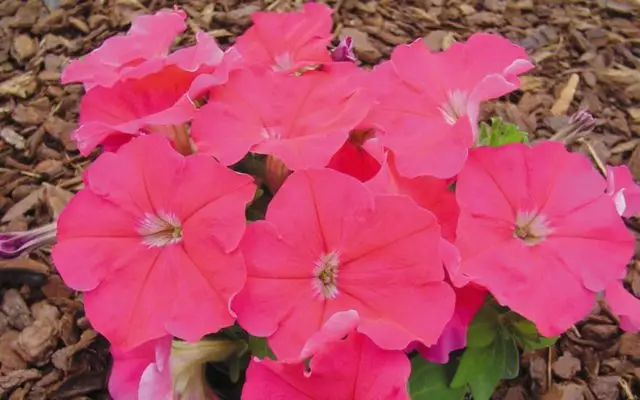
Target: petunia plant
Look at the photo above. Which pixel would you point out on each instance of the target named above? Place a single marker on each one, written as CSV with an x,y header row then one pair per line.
x,y
274,221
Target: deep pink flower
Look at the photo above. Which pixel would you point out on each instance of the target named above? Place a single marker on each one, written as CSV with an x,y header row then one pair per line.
x,y
344,369
329,245
156,103
161,243
625,305
143,372
428,103
301,120
287,41
538,231
624,190
469,299
430,193
360,156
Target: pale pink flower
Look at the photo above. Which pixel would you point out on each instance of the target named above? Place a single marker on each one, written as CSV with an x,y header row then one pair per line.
x,y
329,245
538,231
625,305
624,190
288,41
428,103
340,369
161,242
302,120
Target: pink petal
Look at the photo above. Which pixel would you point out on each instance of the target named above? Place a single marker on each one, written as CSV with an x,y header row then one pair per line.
x,y
624,304
149,38
302,120
624,186
354,160
375,374
287,41
132,107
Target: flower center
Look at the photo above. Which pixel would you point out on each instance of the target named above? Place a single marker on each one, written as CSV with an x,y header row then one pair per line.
x,y
160,230
282,62
455,107
325,275
531,227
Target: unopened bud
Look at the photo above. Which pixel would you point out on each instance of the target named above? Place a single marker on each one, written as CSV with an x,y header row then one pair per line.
x,y
580,124
14,244
343,52
276,173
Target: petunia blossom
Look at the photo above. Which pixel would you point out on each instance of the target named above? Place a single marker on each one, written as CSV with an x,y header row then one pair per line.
x,y
428,192
143,372
353,368
428,103
288,41
537,229
161,242
469,299
301,120
624,190
155,104
625,305
328,245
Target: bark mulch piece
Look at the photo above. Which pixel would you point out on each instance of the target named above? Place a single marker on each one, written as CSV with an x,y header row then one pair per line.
x,y
587,54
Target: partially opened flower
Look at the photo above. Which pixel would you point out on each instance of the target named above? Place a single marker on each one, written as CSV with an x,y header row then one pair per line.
x,y
155,104
287,41
428,192
162,242
428,103
469,299
625,305
149,38
343,52
301,120
329,245
143,372
345,369
538,231
624,190
360,156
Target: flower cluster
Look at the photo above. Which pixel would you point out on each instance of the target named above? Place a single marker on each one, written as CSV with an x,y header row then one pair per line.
x,y
348,216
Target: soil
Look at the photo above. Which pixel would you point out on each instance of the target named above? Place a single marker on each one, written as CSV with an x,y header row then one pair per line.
x,y
587,55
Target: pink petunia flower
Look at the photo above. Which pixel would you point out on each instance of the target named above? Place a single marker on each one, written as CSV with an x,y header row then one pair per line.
x,y
161,242
538,231
143,372
301,120
342,369
329,245
289,41
428,192
624,190
156,103
428,103
360,156
625,305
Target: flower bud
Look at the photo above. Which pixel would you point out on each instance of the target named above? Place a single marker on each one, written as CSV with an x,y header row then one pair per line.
x,y
13,244
276,173
344,51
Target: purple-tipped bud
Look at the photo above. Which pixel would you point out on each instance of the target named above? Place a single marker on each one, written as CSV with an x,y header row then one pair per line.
x,y
582,121
344,51
13,244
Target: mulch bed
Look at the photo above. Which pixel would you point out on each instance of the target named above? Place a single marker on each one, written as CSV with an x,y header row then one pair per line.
x,y
587,55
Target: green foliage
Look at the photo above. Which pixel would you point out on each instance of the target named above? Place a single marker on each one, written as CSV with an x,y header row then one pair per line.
x,y
491,355
260,348
430,381
500,133
526,333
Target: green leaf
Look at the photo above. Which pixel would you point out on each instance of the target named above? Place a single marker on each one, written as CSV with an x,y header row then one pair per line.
x,y
483,328
260,348
429,381
483,367
500,133
527,335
